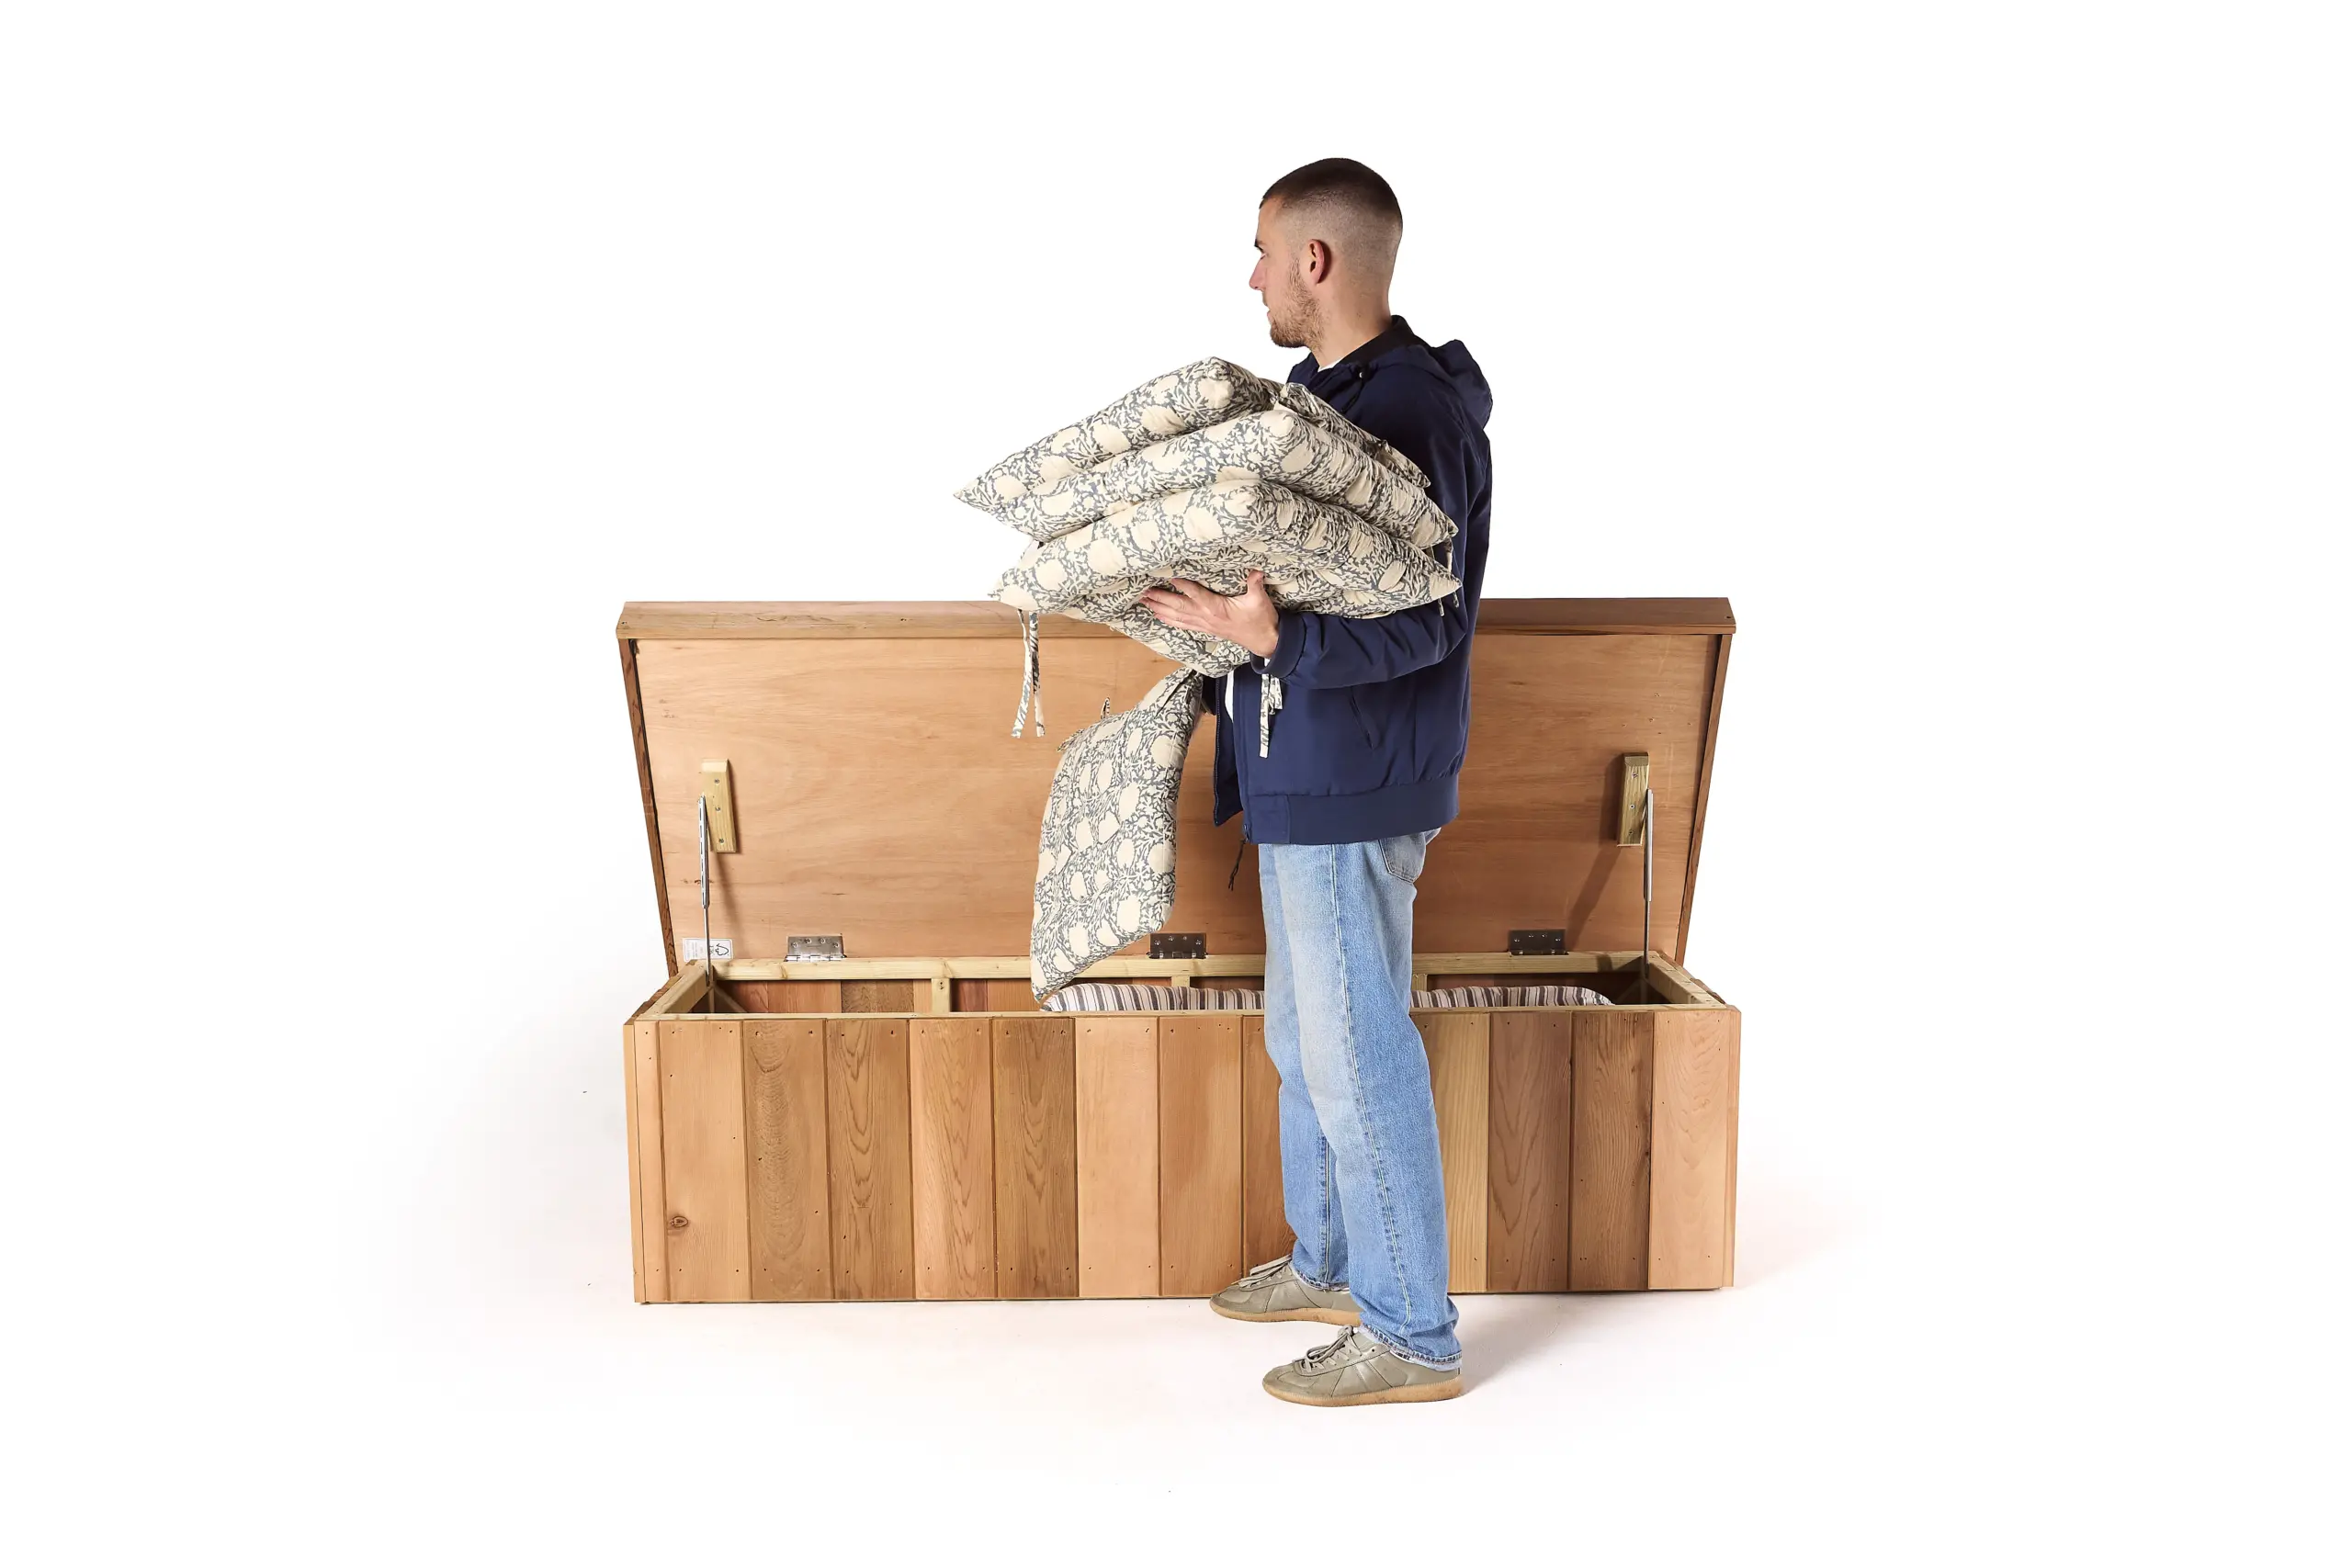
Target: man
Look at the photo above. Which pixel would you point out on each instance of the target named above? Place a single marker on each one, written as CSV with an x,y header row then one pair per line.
x,y
1359,776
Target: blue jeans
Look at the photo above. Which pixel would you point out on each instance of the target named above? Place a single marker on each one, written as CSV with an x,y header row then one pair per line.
x,y
1362,1185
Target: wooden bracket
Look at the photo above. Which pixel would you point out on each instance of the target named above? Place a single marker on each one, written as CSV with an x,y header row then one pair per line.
x,y
717,790
1629,804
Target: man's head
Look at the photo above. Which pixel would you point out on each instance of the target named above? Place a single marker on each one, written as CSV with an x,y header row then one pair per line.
x,y
1326,245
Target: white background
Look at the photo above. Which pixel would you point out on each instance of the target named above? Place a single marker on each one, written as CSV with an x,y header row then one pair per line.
x,y
358,362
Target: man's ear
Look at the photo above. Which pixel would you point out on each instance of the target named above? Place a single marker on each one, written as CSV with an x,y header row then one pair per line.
x,y
1314,260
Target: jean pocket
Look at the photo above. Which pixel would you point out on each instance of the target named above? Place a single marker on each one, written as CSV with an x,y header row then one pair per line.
x,y
1404,855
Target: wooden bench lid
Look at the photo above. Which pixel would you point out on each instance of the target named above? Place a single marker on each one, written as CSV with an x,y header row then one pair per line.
x,y
879,794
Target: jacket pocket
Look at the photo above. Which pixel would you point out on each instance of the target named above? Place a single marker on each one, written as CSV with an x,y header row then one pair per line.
x,y
1363,724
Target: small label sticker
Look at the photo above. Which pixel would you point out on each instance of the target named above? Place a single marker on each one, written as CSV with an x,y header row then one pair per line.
x,y
721,948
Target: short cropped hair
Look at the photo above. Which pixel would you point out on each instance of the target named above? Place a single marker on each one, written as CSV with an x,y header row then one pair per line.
x,y
1357,201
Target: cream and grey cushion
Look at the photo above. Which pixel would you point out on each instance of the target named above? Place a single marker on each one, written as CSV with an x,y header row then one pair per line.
x,y
1329,463
1513,997
1104,996
1200,394
1106,855
1316,555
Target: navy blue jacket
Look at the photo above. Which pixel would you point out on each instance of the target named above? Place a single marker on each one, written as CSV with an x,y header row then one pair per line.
x,y
1376,714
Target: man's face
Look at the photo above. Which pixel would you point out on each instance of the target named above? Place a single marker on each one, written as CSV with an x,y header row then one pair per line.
x,y
1290,309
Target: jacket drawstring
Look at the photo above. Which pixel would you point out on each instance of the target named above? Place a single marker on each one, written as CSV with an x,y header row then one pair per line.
x,y
1033,695
1238,847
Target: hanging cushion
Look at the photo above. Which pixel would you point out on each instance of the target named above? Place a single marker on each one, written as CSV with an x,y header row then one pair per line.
x,y
1330,464
1316,555
1192,398
1106,855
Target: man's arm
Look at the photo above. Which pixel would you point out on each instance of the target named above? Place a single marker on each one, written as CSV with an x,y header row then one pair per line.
x,y
1315,648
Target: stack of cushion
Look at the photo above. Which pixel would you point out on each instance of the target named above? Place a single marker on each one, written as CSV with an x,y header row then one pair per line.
x,y
1206,473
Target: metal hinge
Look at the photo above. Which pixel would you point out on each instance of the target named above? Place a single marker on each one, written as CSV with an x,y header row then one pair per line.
x,y
1180,944
1539,942
806,949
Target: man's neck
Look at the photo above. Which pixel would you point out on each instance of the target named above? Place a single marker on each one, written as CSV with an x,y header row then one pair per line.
x,y
1345,333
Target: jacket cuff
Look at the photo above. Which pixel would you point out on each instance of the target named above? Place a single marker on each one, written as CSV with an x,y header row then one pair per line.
x,y
1290,637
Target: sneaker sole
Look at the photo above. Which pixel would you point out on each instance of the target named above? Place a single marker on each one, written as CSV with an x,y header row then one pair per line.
x,y
1337,1316
1411,1393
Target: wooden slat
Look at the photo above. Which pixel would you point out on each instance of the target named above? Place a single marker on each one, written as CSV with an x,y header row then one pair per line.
x,y
1691,1150
708,1242
1458,1044
1530,1067
951,1088
652,1207
635,1180
880,996
1265,1230
1036,1157
868,1166
784,1115
645,793
983,619
1731,1159
1706,780
1609,1207
805,996
1200,1154
994,996
1118,1157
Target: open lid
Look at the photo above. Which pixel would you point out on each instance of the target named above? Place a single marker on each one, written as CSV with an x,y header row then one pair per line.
x,y
877,793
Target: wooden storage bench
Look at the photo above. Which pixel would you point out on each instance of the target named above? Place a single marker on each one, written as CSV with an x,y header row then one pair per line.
x,y
894,1124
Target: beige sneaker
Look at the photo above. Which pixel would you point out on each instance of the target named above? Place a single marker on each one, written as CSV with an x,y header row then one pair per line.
x,y
1272,1293
1356,1369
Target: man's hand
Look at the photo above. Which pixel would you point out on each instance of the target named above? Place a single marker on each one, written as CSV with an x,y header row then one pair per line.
x,y
1247,617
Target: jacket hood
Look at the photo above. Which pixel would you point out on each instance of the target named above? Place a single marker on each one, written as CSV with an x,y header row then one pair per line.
x,y
1469,381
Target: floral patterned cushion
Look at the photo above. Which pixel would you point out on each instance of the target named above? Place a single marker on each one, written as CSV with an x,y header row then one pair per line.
x,y
1328,463
1106,856
1202,393
1316,555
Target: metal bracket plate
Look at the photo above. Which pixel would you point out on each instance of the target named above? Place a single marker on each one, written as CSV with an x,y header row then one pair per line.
x,y
806,949
1539,942
1180,944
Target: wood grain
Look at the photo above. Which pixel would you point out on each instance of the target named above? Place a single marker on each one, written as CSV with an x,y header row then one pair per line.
x,y
869,1166
652,1206
784,1115
1265,1229
1706,781
880,996
1731,1160
1458,1043
1689,1243
1200,1154
1118,1157
1609,1207
709,1243
645,794
890,618
842,736
950,1076
1530,1069
1036,1157
994,996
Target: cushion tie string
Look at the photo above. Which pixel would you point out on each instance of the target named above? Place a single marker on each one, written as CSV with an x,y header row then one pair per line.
x,y
1270,698
1033,696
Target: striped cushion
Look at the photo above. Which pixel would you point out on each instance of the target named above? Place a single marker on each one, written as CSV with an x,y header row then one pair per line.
x,y
1102,996
1511,997
1096,995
